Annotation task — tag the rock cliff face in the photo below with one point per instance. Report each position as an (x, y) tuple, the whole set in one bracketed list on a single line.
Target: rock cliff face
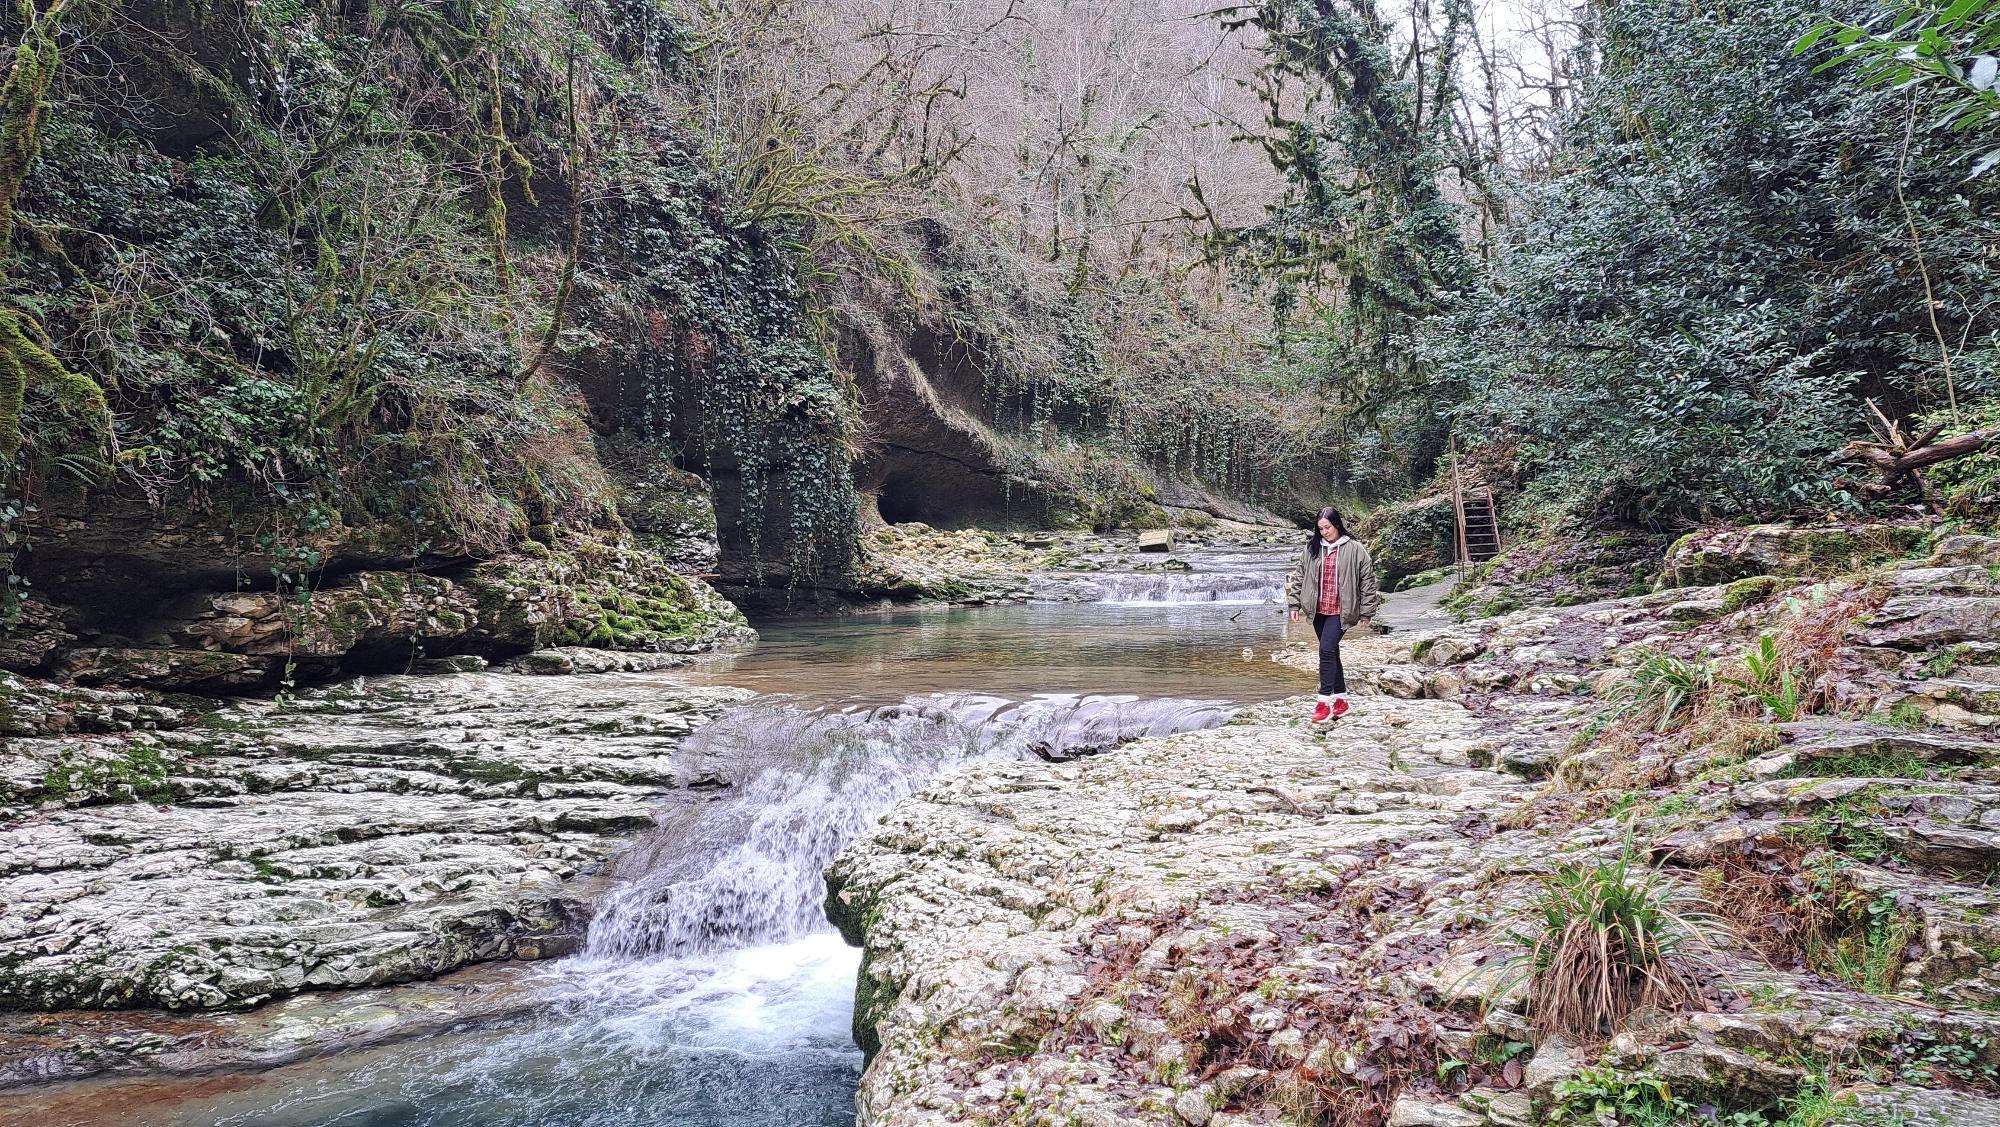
[(933, 455), (1272, 921), (184, 633)]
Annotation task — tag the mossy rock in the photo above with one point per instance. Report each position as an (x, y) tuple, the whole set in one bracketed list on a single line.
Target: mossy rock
[(95, 774), (1745, 592), (1713, 556), (604, 594), (1411, 538)]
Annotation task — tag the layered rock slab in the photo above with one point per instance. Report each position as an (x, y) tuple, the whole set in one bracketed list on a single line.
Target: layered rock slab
[(390, 829), (982, 904)]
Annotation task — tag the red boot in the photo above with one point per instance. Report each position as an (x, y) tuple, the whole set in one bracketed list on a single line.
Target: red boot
[(1322, 713)]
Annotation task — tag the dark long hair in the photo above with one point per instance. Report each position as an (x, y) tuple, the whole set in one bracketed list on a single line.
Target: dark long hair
[(1339, 526)]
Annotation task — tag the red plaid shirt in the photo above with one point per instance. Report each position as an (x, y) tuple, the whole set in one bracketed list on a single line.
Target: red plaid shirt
[(1329, 580)]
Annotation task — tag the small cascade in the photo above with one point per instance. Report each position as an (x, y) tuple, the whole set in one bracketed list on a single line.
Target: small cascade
[(747, 869), (711, 991), (1230, 577), (1147, 589)]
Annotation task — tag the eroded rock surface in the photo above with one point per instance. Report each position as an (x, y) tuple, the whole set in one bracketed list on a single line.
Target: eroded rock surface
[(990, 905), (1227, 927), (383, 830)]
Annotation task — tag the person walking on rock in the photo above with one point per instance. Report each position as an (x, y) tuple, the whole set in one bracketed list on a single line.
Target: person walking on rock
[(1334, 584)]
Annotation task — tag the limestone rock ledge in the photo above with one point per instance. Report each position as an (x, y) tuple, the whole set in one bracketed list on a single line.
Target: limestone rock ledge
[(1271, 922), (990, 906), (599, 592), (380, 831)]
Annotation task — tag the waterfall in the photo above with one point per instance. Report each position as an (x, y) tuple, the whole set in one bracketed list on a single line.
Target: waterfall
[(746, 869), (1145, 589), (711, 991)]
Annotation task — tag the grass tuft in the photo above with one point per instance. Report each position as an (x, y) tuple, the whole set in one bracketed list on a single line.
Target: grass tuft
[(1611, 941)]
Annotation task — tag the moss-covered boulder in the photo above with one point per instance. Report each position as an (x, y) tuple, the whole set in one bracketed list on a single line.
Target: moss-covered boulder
[(368, 607), (1720, 555), (669, 510), (597, 591), (1411, 538), (1562, 568), (602, 593)]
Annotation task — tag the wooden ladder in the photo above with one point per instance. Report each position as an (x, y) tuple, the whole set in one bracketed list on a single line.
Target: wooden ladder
[(1478, 519)]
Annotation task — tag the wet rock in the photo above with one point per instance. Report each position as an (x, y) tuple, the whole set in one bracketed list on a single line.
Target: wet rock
[(212, 670), (1156, 540), (36, 1048)]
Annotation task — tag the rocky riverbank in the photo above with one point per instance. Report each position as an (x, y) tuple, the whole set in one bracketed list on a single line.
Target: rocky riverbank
[(1274, 922), (383, 830), (917, 563)]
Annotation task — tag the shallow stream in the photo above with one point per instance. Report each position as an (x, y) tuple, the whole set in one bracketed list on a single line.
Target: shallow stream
[(711, 990)]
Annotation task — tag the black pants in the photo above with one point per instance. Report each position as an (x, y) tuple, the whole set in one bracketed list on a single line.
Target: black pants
[(1332, 679)]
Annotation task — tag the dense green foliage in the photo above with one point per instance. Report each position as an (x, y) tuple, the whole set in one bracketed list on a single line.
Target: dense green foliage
[(1954, 44), (327, 260), (1685, 322), (1729, 249)]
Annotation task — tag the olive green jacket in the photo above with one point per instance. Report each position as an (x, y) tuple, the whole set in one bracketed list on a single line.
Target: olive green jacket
[(1360, 596)]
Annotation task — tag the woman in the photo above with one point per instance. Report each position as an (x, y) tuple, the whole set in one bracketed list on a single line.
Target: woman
[(1333, 584)]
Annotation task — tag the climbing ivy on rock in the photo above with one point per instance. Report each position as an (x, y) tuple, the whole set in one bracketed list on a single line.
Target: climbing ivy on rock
[(1364, 214), (317, 261), (710, 322)]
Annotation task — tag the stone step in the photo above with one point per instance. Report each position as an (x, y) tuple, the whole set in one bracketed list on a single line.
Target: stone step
[(1871, 1106), (1959, 701)]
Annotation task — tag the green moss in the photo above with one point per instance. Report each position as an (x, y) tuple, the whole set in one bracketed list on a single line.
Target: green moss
[(1744, 592), (489, 771), (139, 774), (1885, 765)]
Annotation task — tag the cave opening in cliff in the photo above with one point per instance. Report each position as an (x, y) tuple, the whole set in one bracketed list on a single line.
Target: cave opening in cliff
[(901, 501)]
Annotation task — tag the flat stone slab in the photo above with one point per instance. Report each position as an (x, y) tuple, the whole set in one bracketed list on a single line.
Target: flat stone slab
[(385, 830)]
